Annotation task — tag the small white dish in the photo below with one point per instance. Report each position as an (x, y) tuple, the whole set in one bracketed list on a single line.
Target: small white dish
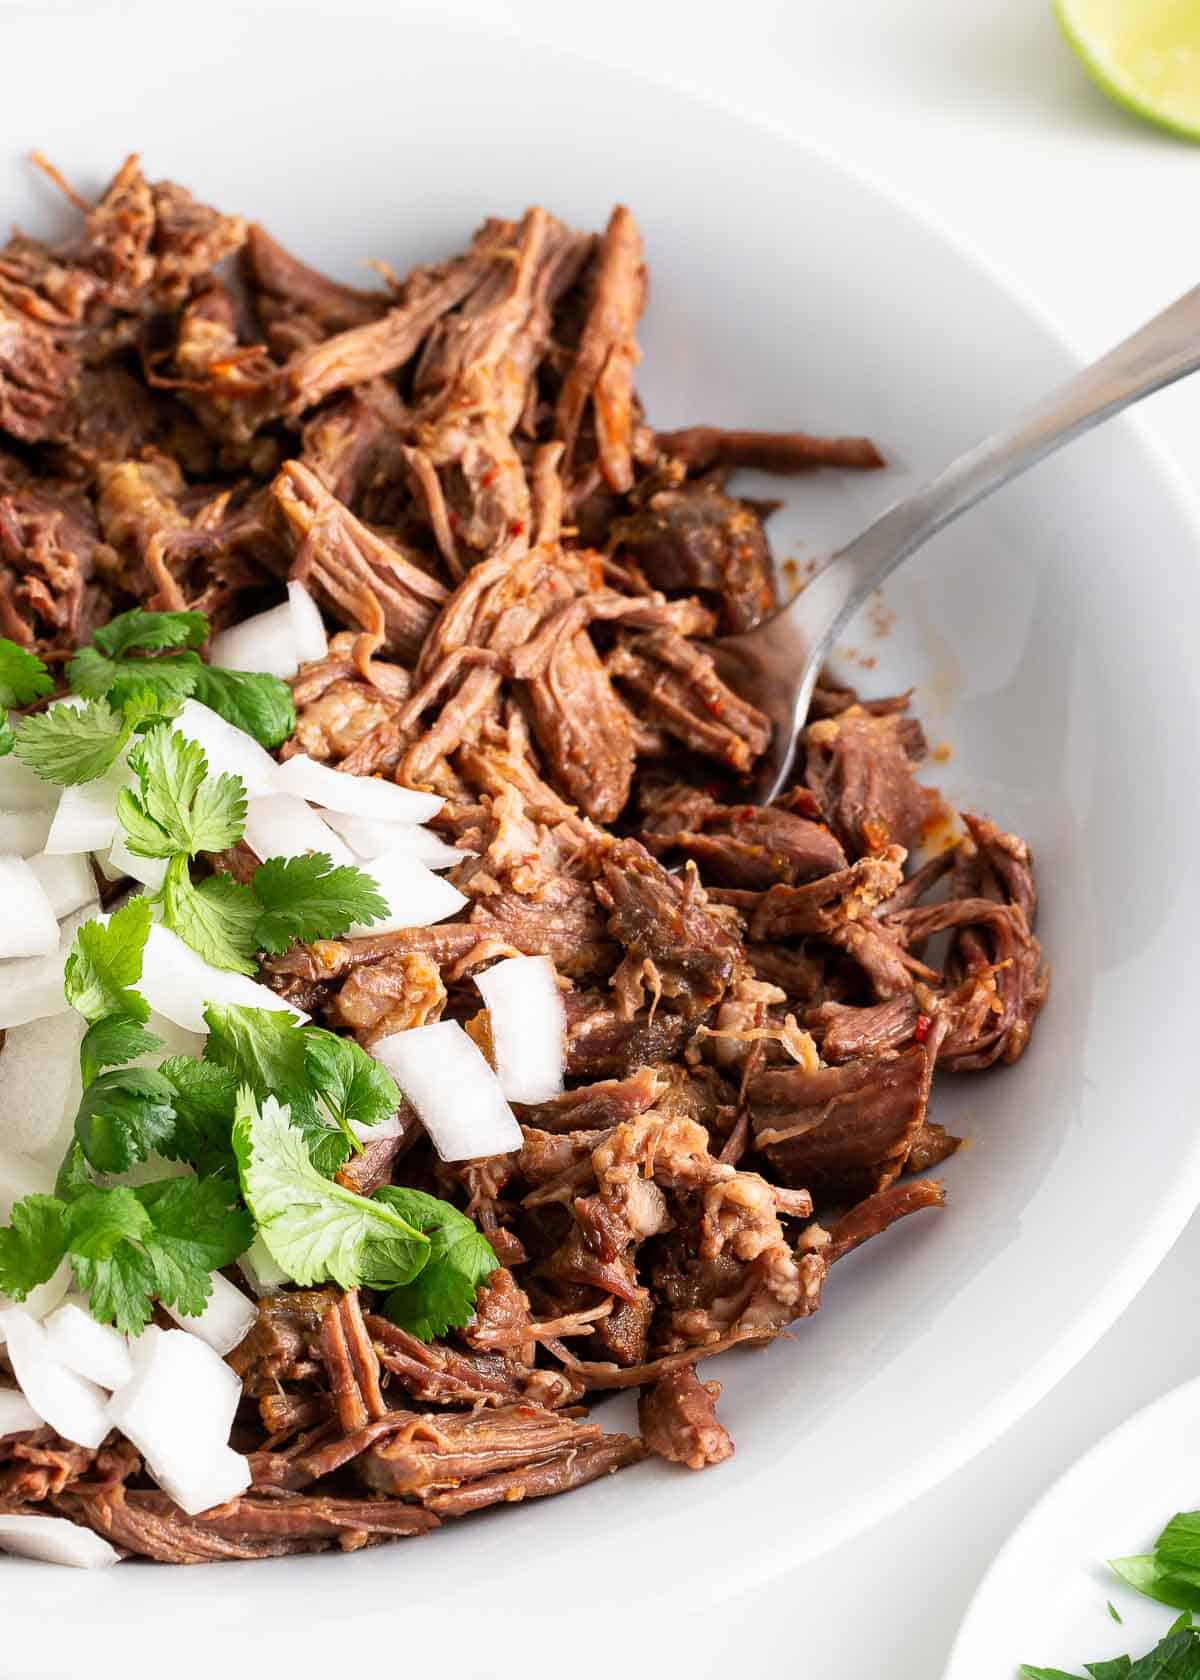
[(1044, 1600)]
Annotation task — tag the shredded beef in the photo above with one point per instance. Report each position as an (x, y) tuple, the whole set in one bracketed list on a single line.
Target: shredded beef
[(520, 576)]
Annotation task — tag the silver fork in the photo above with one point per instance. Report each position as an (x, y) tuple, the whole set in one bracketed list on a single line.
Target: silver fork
[(775, 665)]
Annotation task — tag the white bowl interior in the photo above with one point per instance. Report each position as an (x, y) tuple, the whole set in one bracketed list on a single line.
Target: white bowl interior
[(1051, 638)]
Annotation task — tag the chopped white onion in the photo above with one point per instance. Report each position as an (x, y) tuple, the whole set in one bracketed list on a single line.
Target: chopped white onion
[(16, 1414), (261, 1270), (69, 1403), (392, 1127), (21, 1177), (178, 983), (32, 987), (308, 627), (25, 832), (39, 1078), (415, 896), (226, 748), (265, 642), (280, 825), (178, 1409), (124, 863), (28, 925), (66, 879), (86, 818), (21, 790), (529, 1027), (360, 796), (56, 1540), (44, 1298), (225, 1321), (87, 1347), (445, 1076), (367, 837)]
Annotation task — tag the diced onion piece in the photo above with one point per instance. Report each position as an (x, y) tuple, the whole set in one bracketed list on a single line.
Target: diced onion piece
[(281, 825), (529, 1027), (261, 1270), (266, 642), (45, 1297), (178, 983), (21, 790), (16, 1414), (308, 627), (87, 1347), (25, 832), (225, 1321), (178, 1409), (21, 1177), (445, 1076), (360, 796), (66, 879), (86, 818), (415, 896), (69, 1403), (123, 862), (28, 925), (227, 749), (392, 1127), (56, 1540), (40, 1085), (32, 987), (367, 837)]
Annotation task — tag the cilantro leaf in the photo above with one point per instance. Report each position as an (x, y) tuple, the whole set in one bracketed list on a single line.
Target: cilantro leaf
[(171, 679), (217, 918), (123, 1116), (315, 1072), (73, 1176), (8, 739), (1179, 1589), (258, 704), (23, 677), (1178, 1546), (105, 965), (195, 1230), (112, 1041), (142, 629), (99, 1220), (72, 744), (354, 1087), (1031, 1673), (202, 1095), (312, 1228), (192, 811), (442, 1295), (307, 898), (33, 1245)]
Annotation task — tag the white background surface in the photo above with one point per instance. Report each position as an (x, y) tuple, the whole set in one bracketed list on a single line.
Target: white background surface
[(975, 111)]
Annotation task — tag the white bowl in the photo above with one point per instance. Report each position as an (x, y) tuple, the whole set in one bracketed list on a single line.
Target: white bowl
[(1052, 637)]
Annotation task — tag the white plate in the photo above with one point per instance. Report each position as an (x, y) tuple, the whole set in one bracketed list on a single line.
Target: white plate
[(1044, 1599), (1052, 637)]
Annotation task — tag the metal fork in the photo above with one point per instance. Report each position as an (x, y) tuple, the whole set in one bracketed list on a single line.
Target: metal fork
[(775, 665)]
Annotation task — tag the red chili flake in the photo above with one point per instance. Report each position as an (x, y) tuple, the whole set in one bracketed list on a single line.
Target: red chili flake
[(489, 478), (921, 1030), (516, 528)]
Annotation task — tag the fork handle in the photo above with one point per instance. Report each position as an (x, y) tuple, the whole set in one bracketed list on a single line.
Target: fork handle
[(1165, 349)]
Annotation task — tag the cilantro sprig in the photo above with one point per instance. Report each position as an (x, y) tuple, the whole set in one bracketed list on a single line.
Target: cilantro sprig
[(442, 1295), (142, 650), (314, 1229), (70, 743), (1170, 1574), (127, 1247)]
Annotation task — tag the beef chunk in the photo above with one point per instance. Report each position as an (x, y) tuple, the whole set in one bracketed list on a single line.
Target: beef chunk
[(678, 1419), (860, 768), (696, 537)]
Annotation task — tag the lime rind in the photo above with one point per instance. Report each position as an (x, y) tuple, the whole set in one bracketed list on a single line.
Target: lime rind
[(1154, 71)]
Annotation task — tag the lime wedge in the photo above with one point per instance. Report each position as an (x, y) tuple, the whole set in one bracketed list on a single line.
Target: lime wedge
[(1144, 53)]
